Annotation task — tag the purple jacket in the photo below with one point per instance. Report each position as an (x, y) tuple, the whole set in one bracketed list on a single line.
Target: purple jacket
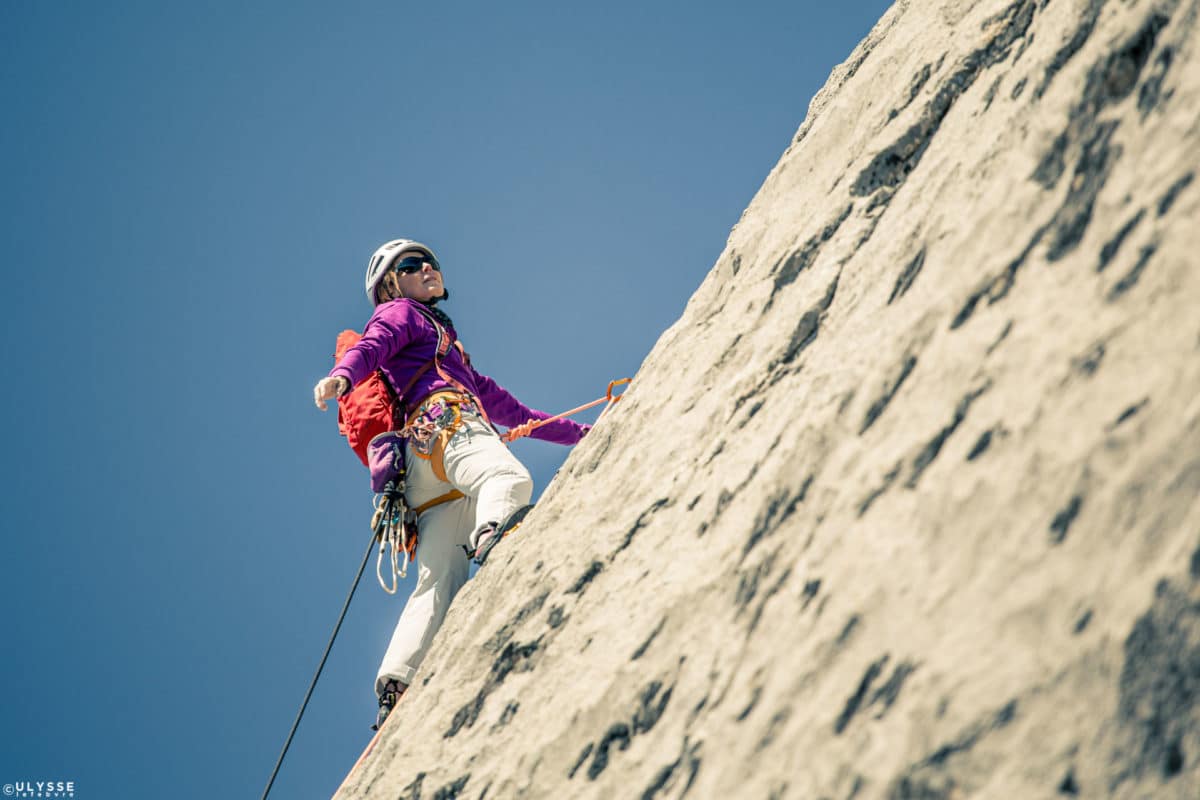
[(399, 340)]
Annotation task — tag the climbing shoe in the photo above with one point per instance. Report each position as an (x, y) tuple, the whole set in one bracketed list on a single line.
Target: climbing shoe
[(392, 691), (489, 537)]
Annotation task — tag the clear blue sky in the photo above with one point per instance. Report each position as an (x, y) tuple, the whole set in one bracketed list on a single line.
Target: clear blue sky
[(191, 192)]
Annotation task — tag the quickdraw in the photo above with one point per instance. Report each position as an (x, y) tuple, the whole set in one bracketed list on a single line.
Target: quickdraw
[(391, 524), (395, 527)]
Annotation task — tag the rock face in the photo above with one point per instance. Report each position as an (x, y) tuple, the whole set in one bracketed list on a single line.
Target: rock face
[(906, 504)]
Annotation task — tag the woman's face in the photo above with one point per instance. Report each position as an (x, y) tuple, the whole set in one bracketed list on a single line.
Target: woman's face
[(422, 285)]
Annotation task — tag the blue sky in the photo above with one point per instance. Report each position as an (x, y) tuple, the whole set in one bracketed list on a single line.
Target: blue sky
[(191, 192)]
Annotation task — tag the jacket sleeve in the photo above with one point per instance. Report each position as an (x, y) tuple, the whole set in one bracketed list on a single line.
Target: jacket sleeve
[(389, 329), (507, 410)]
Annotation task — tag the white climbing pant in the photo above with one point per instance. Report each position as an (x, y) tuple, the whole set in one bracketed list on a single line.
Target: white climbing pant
[(496, 484)]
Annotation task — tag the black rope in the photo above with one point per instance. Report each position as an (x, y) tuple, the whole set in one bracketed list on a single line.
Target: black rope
[(328, 647)]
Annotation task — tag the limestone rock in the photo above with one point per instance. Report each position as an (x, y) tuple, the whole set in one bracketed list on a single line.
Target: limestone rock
[(906, 504)]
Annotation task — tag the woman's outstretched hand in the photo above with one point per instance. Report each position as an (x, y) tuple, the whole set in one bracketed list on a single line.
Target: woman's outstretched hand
[(328, 389)]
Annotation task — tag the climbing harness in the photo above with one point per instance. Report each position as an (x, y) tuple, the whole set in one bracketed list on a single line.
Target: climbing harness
[(430, 428), (526, 428)]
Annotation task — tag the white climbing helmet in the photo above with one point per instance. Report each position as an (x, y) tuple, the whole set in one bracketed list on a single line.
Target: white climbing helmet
[(383, 258)]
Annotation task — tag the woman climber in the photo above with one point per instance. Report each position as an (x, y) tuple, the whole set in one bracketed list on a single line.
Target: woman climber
[(451, 446)]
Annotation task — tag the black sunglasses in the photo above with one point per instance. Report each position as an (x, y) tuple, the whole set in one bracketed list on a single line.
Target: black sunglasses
[(411, 264)]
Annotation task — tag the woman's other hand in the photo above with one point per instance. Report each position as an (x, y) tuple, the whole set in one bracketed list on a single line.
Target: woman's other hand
[(329, 389)]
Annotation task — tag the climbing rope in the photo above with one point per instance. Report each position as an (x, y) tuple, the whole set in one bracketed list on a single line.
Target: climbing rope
[(526, 428), (345, 607)]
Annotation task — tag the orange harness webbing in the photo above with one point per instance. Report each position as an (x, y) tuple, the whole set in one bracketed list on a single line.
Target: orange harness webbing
[(448, 497)]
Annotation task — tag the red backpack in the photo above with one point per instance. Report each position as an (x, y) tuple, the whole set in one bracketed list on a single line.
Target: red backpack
[(368, 410)]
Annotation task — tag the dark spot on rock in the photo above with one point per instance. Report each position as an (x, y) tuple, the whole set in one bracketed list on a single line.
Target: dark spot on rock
[(910, 273), (750, 412), (1089, 362), (790, 268), (754, 698), (587, 751), (992, 91), (1068, 785), (771, 592), (557, 617), (1195, 565), (749, 581), (890, 691), (1159, 687), (914, 88), (641, 522), (1113, 245), (652, 707), (1063, 519), (844, 403), (1168, 199), (781, 505), (506, 716), (1008, 326), (617, 735), (1129, 413), (502, 637), (1151, 93), (889, 392), (1073, 45), (773, 727), (586, 578), (514, 658), (930, 786), (970, 738), (895, 163), (1174, 762), (934, 446), (1018, 88), (1108, 81), (1095, 163), (878, 492), (997, 287), (1083, 621), (1135, 273), (981, 445), (451, 790), (1118, 74), (812, 587), (665, 779), (806, 329), (860, 694), (724, 498), (968, 307), (696, 499), (413, 790), (851, 626), (644, 646)]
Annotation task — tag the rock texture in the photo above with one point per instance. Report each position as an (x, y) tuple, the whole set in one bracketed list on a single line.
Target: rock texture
[(906, 504)]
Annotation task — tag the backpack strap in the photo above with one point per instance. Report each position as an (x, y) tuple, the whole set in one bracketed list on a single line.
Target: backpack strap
[(443, 347)]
